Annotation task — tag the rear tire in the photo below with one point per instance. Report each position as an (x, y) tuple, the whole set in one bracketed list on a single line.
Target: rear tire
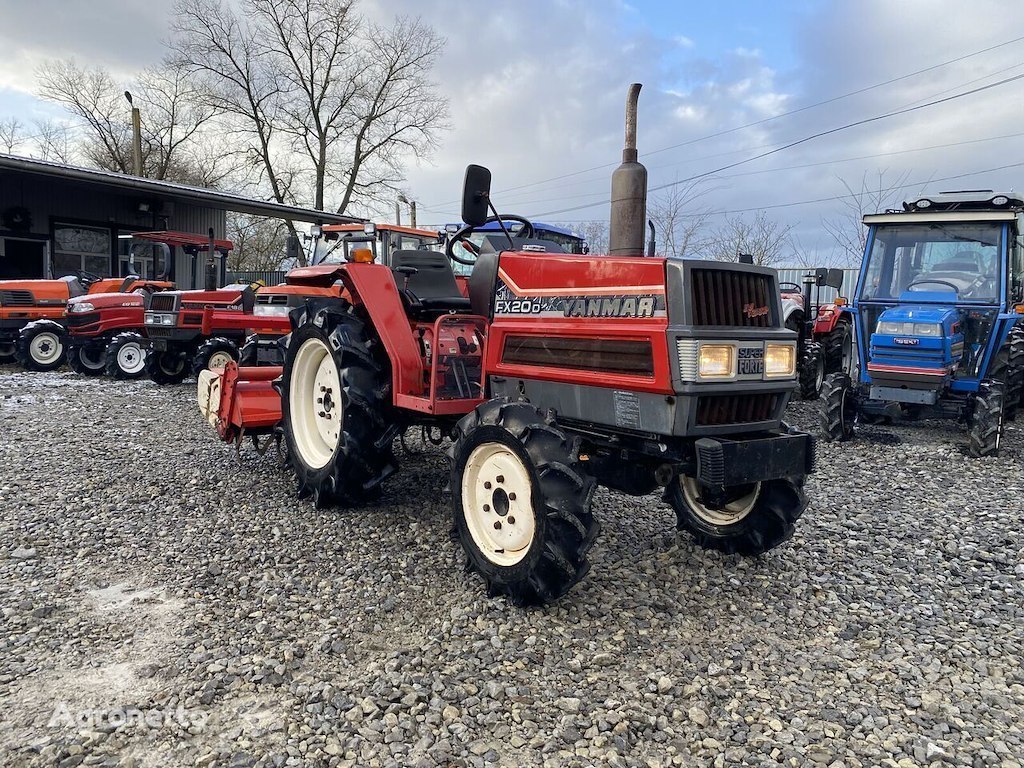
[(213, 354), (333, 399), (811, 371), (88, 359), (41, 346), (167, 366), (7, 352), (987, 420), (749, 520), (521, 502), (838, 410), (249, 352), (1014, 393), (126, 357)]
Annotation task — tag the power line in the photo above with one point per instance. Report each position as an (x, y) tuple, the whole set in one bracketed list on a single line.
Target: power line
[(804, 140)]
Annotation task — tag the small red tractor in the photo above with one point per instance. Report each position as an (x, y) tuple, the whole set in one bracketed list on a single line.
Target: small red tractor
[(825, 330), (554, 374), (34, 315)]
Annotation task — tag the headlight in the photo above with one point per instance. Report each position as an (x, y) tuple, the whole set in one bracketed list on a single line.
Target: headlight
[(779, 360), (81, 306), (158, 318), (890, 328), (717, 361), (267, 310)]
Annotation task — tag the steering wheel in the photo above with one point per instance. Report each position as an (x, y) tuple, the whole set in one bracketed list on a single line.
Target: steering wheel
[(938, 280), (790, 288), (462, 234), (86, 278)]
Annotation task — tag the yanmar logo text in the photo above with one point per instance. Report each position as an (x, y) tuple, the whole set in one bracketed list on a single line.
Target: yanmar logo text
[(752, 310)]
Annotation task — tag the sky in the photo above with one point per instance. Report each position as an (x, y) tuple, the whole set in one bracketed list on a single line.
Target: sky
[(536, 90)]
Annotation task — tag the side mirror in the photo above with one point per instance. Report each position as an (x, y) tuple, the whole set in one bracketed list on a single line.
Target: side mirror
[(746, 258), (292, 248), (833, 278), (476, 192)]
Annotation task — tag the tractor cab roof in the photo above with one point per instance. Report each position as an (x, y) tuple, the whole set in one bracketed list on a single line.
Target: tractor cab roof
[(966, 200), (184, 239)]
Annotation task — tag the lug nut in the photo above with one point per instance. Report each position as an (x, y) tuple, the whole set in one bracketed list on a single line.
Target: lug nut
[(500, 478), (487, 507), (511, 520), (497, 525), (487, 485), (512, 496)]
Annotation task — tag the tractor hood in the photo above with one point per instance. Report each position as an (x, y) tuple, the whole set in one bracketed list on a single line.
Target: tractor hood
[(105, 300), (918, 314)]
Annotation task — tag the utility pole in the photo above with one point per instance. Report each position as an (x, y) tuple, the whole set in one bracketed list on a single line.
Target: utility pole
[(136, 135), (412, 209), (398, 210)]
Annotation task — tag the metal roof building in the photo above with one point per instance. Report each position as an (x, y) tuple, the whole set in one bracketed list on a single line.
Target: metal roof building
[(56, 219)]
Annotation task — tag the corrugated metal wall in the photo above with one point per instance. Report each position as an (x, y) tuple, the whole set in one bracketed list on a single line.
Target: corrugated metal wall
[(796, 274), (268, 277)]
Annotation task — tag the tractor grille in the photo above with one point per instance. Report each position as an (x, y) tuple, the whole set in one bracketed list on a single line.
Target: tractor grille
[(16, 298), (719, 410), (272, 299), (732, 297), (160, 302), (77, 319)]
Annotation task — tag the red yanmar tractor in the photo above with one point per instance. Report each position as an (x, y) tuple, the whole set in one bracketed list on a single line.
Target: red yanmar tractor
[(555, 374)]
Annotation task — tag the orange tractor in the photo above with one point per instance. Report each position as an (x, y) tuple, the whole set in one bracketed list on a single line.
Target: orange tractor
[(552, 373)]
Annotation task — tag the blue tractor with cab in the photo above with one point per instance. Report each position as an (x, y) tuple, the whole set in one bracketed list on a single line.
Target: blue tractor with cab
[(938, 316)]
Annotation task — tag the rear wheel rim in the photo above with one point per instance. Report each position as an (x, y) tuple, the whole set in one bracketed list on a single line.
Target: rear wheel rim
[(45, 347), (93, 359), (315, 407), (130, 358), (219, 360), (172, 365), (731, 512), (496, 504)]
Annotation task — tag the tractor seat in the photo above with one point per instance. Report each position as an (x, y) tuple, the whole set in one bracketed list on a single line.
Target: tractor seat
[(963, 261), (432, 288), (75, 287)]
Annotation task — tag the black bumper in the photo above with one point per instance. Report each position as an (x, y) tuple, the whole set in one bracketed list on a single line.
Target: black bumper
[(722, 463)]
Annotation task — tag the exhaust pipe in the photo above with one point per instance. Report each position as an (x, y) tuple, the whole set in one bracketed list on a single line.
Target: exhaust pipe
[(629, 191)]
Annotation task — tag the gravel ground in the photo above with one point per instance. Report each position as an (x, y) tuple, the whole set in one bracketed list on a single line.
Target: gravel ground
[(165, 603)]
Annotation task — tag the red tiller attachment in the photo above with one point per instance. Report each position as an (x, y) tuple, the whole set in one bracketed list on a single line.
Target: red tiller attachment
[(240, 402)]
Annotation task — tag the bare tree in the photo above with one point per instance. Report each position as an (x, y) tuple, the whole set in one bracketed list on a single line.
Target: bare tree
[(260, 243), (54, 141), (12, 134), (172, 123), (596, 234), (765, 239), (847, 229), (679, 223), (323, 102)]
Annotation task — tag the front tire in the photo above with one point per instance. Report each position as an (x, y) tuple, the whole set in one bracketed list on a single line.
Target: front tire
[(521, 502), (7, 352), (41, 346), (169, 366), (333, 399), (213, 354), (748, 520), (987, 420), (88, 359), (126, 357), (838, 409), (838, 349)]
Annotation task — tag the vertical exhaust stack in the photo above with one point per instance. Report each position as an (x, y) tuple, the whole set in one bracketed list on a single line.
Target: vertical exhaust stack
[(629, 192)]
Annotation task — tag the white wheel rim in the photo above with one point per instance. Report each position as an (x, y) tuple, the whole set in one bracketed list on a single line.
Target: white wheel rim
[(131, 358), (732, 513), (46, 347), (314, 407), (497, 504), (93, 363), (218, 361)]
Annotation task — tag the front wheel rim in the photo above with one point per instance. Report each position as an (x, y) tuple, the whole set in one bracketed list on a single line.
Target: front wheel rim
[(497, 504), (219, 360), (131, 359), (315, 406), (731, 513), (45, 348)]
